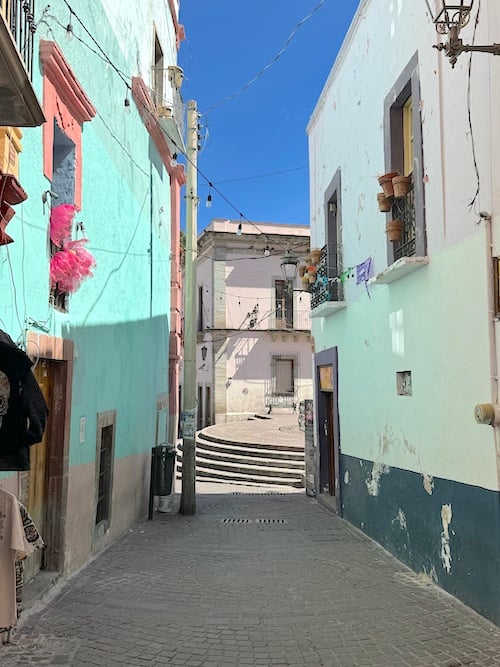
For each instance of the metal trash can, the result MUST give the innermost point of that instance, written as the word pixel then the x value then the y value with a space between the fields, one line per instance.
pixel 162 469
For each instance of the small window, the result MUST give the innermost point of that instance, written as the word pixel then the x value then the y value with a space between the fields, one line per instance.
pixel 105 462
pixel 158 72
pixel 283 375
pixel 408 137
pixel 284 305
pixel 404 154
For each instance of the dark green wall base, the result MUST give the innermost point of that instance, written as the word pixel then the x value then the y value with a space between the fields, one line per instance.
pixel 406 520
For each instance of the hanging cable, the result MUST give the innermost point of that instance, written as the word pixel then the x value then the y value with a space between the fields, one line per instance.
pixel 269 64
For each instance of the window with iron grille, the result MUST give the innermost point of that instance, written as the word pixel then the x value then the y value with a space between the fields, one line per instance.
pixel 283 375
pixel 105 462
pixel 158 71
pixel 283 305
pixel 327 286
pixel 404 154
pixel 63 184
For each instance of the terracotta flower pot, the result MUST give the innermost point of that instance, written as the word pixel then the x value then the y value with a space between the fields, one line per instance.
pixel 315 255
pixel 11 190
pixel 384 202
pixel 394 230
pixel 386 182
pixel 401 185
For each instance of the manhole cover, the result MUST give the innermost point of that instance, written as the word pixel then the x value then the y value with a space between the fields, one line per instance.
pixel 232 520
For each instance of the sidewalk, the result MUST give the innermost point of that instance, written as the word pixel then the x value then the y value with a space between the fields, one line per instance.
pixel 269 579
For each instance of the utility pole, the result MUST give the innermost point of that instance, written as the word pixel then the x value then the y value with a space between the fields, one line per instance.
pixel 188 497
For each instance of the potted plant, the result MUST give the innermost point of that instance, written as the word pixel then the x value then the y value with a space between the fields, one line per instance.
pixel 401 185
pixel 394 230
pixel 315 255
pixel 305 282
pixel 302 270
pixel 386 182
pixel 384 202
pixel 311 273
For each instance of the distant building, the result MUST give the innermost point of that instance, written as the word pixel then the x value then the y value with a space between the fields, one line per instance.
pixel 406 320
pixel 254 345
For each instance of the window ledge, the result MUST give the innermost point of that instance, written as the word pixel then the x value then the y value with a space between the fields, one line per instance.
pixel 327 308
pixel 401 267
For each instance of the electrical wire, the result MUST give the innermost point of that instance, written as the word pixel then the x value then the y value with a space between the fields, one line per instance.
pixel 178 148
pixel 270 173
pixel 269 64
pixel 469 115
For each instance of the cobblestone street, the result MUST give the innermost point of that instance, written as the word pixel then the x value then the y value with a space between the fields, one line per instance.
pixel 254 578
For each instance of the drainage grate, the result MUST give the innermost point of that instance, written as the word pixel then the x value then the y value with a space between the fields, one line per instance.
pixel 231 520
pixel 271 521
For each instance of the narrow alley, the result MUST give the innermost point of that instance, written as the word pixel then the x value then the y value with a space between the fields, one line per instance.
pixel 255 577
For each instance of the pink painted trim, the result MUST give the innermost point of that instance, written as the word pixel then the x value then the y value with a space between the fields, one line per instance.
pixel 65 101
pixel 149 115
pixel 180 34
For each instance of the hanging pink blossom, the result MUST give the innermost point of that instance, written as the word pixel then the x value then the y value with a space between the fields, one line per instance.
pixel 61 221
pixel 71 266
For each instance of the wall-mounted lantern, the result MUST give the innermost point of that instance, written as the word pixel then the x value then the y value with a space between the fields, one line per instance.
pixel 449 19
pixel 204 351
pixel 289 264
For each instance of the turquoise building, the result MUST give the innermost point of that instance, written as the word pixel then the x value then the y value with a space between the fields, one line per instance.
pixel 89 261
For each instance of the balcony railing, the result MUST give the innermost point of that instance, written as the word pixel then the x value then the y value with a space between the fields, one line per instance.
pixel 20 18
pixel 326 288
pixel 167 98
pixel 289 320
pixel 404 209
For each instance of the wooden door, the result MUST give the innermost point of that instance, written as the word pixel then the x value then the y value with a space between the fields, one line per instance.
pixel 37 479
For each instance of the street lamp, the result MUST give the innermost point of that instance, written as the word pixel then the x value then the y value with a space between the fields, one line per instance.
pixel 204 351
pixel 289 266
pixel 450 18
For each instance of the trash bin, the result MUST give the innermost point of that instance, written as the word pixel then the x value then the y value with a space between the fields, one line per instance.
pixel 162 469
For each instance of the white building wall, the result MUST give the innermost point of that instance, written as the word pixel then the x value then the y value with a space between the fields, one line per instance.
pixel 428 320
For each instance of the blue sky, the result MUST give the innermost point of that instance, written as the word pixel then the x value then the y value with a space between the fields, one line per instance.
pixel 261 130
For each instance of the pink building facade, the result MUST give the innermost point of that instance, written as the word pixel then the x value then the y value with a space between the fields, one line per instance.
pixel 254 347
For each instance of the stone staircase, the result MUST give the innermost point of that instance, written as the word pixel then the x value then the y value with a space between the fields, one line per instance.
pixel 255 463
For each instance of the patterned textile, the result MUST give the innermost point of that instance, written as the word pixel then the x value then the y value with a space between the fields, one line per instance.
pixel 19 537
pixel 33 537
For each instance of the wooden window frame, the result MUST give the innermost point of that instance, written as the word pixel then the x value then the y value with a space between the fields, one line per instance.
pixel 407 86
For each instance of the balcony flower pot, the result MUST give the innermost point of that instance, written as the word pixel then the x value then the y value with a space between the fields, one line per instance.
pixel 311 274
pixel 11 190
pixel 305 282
pixel 302 270
pixel 315 255
pixel 384 202
pixel 401 185
pixel 386 183
pixel 394 230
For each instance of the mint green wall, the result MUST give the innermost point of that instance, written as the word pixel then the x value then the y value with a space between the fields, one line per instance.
pixel 418 323
pixel 118 319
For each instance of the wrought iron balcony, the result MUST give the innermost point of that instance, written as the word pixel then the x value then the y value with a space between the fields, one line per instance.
pixel 291 319
pixel 326 288
pixel 168 102
pixel 19 106
pixel 404 209
pixel 19 16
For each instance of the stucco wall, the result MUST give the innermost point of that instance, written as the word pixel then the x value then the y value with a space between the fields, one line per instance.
pixel 118 319
pixel 429 321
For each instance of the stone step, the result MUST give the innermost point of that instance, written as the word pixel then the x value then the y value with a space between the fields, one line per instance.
pixel 213 476
pixel 213 437
pixel 248 450
pixel 249 471
pixel 258 460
